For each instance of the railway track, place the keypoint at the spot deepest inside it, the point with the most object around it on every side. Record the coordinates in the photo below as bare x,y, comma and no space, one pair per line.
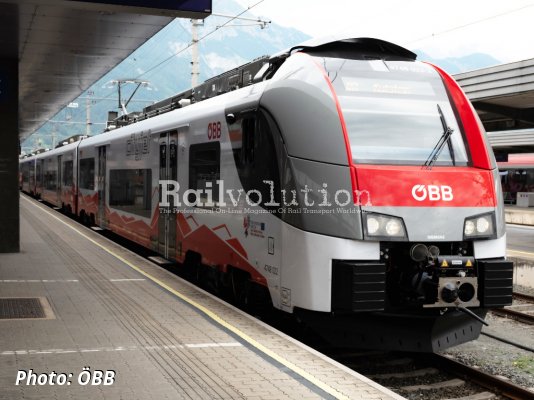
494,384
522,311
431,376
525,297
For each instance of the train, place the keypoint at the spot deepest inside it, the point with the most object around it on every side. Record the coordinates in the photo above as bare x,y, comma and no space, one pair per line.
517,176
343,182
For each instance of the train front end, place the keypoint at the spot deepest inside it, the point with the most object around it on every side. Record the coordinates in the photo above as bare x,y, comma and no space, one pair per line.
427,221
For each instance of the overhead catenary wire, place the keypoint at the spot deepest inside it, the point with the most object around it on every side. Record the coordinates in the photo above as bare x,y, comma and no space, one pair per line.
111,93
199,40
470,23
159,64
104,97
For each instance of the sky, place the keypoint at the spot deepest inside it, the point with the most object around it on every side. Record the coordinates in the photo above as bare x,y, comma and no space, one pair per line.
453,28
504,29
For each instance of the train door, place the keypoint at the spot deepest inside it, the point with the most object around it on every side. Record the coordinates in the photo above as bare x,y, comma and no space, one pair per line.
168,170
256,147
101,187
59,180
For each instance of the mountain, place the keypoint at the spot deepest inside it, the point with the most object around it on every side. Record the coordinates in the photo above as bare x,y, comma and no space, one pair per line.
455,65
164,61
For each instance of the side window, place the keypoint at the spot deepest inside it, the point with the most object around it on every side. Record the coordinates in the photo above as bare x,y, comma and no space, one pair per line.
25,172
266,162
130,190
87,173
38,172
255,157
67,173
50,175
205,170
173,160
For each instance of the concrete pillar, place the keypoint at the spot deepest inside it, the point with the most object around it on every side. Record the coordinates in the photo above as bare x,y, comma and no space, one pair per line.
9,134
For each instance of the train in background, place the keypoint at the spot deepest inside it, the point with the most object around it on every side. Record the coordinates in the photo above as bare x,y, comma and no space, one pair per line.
517,175
372,206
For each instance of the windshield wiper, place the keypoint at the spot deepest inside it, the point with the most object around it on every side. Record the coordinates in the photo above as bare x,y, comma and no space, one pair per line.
445,138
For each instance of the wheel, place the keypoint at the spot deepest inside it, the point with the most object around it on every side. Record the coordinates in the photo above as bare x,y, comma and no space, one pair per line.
240,286
192,266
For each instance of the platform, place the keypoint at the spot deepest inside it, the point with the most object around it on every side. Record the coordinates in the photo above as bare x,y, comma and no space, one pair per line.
107,309
519,215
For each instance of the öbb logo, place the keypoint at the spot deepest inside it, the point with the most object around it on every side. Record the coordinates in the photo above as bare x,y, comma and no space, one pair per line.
432,192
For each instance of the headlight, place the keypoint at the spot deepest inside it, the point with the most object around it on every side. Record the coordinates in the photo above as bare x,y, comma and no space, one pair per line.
378,226
480,226
483,224
372,225
469,227
393,227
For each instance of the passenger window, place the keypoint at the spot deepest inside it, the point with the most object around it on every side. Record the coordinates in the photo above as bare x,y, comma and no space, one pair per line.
67,173
51,176
255,157
130,190
39,172
25,172
162,158
173,160
204,168
87,173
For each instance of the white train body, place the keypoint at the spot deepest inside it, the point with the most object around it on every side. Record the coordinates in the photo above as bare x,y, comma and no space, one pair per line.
312,241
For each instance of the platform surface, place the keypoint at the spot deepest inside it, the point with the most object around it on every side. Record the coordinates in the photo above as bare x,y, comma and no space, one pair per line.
108,309
519,215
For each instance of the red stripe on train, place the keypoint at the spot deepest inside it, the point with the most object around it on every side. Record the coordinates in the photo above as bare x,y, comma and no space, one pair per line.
474,131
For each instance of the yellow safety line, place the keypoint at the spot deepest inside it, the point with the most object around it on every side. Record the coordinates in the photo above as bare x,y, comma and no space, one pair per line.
519,251
310,378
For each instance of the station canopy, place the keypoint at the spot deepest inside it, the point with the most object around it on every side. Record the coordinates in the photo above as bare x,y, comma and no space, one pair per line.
503,96
64,46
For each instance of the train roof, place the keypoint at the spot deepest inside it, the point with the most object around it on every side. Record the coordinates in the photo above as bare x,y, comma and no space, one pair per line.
351,48
180,117
236,81
264,68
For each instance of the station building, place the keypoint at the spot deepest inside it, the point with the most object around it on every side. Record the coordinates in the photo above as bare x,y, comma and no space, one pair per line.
503,96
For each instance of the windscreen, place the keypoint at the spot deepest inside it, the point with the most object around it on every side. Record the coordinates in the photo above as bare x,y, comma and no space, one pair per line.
396,112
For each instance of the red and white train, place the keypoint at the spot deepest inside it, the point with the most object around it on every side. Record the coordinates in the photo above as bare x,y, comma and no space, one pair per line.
350,183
